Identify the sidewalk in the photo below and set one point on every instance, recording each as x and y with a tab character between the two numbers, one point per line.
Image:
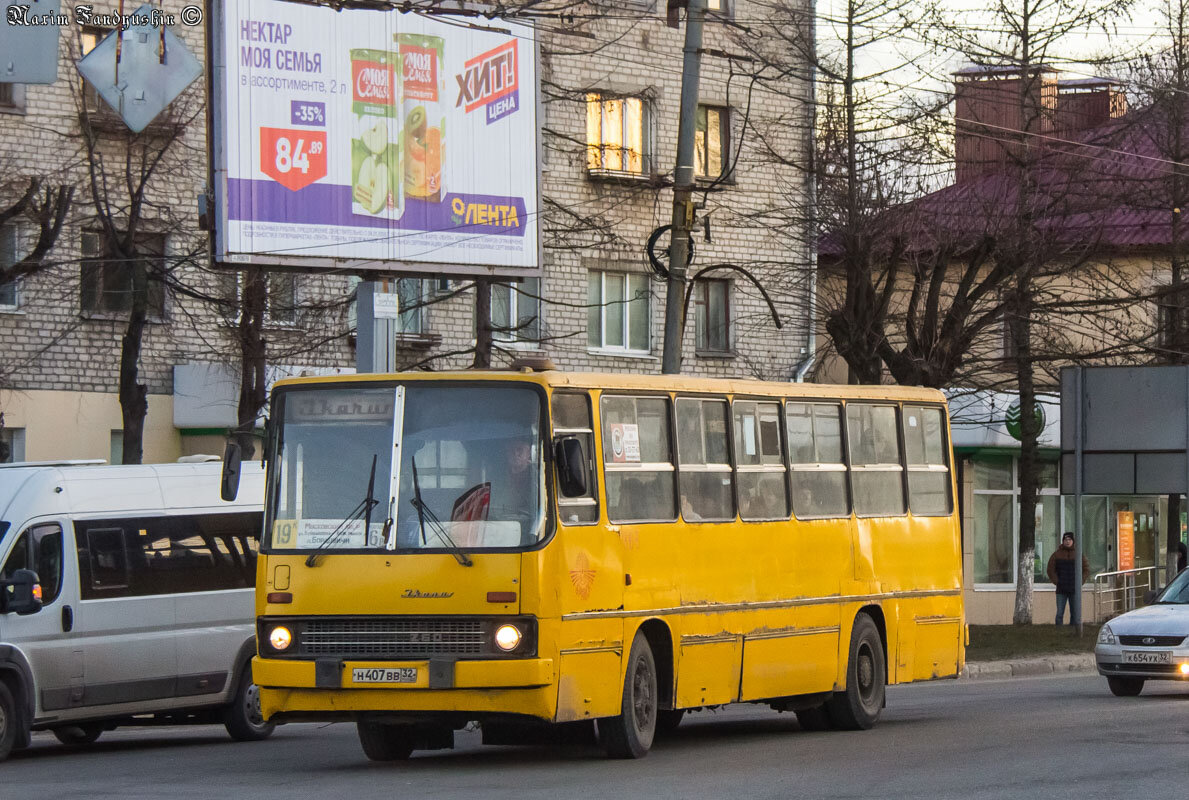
1040	665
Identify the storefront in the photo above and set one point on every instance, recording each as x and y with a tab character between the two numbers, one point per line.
988	473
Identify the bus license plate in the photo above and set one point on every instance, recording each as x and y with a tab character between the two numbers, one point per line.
1138	657
378	675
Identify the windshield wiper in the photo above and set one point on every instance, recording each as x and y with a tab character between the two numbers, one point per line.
364	509
424	513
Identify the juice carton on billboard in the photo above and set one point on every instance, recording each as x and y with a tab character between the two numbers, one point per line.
377	189
423	86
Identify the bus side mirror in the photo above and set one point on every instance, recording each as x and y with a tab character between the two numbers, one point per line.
571	467
21	594
229	483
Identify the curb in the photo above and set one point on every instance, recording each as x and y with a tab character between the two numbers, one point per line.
1025	667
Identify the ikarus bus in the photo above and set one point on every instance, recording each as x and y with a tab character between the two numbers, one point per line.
531	548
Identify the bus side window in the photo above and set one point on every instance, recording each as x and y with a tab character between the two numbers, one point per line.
637	459
814	433
704	458
928	468
875	471
760	461
572	417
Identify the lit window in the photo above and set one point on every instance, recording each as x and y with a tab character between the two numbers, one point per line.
712	318
616	134
617	311
89	38
711	142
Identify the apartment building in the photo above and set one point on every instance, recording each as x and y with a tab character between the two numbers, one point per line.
608	98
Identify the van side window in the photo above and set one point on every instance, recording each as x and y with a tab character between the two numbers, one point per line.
928	469
637	459
875	471
103	560
815	454
39	549
168	555
704	457
571	417
760	461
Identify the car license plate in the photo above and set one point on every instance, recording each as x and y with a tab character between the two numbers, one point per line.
1140	657
384	675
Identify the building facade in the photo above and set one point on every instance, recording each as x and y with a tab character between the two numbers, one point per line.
609	94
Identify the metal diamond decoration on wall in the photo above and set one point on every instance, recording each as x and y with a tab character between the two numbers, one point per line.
152	71
29	40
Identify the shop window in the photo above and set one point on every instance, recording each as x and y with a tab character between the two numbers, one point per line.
814	433
637	458
704	456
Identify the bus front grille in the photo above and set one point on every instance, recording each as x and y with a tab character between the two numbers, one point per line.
392	638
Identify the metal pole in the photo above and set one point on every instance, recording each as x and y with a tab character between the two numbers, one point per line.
374	342
1079	391
683	186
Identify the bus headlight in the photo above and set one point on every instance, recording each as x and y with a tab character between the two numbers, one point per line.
280	638
507	638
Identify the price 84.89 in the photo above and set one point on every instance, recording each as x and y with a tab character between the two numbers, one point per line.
293	158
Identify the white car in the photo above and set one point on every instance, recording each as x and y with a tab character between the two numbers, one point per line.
1150	643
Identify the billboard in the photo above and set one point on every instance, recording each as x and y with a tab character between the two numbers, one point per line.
373	140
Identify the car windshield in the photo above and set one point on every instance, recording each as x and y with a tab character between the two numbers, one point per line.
469	476
1177	590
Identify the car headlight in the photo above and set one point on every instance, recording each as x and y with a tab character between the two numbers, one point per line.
280	638
507	638
1106	635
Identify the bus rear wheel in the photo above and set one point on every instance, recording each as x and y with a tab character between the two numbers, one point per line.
858	706
630	734
385	742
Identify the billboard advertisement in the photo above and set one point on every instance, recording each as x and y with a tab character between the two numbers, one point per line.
373	140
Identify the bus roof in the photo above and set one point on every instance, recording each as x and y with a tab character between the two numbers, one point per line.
616	380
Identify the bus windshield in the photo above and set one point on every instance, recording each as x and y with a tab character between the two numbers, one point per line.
472	456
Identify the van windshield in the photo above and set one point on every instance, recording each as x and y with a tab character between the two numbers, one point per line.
472	454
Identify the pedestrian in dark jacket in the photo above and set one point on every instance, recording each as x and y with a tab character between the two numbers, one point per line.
1063	575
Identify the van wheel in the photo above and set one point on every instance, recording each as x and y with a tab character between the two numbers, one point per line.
243	718
1125	687
79	734
630	734
857	708
382	742
8	721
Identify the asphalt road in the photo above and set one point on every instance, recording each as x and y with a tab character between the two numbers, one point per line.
1050	737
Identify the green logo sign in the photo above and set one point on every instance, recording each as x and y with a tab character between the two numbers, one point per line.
1012	420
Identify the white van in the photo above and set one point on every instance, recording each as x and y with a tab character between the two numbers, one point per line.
146	611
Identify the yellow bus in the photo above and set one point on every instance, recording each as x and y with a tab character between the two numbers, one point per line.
529	547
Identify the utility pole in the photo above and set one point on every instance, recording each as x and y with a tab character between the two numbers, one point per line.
683	188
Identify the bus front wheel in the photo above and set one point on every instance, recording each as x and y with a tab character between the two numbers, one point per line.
385	742
858	706
630	734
